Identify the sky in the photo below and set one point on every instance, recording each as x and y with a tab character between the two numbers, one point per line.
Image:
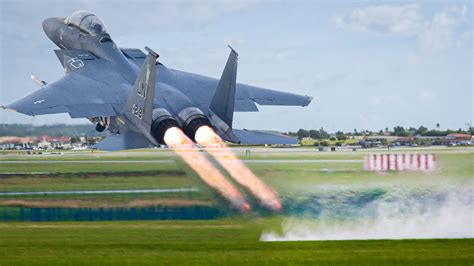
368	64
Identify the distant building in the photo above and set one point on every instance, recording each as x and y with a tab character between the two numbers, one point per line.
404	141
458	137
33	143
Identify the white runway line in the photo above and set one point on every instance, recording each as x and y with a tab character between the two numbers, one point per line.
303	161
89	192
172	161
86	161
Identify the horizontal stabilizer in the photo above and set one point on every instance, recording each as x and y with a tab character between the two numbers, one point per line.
262	138
124	141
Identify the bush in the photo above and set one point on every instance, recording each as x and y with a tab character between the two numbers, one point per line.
325	143
316	143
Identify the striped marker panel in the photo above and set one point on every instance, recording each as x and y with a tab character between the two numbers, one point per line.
399	162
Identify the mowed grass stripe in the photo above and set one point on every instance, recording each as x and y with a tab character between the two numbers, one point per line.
221	242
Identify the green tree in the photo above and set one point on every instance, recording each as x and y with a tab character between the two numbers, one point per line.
421	130
399	131
314	134
75	139
340	135
302	134
323	134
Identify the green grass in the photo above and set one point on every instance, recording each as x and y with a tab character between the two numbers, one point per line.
218	242
45	183
71	167
230	241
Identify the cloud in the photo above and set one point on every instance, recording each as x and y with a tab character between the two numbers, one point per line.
440	32
383	19
433	34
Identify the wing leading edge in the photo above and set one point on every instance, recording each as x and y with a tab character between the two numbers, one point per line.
74	94
272	97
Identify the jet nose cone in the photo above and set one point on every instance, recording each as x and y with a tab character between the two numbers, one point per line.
51	28
49	25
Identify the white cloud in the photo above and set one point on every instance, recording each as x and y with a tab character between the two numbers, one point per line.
433	34
383	19
440	33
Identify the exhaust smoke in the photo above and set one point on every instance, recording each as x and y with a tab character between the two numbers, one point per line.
207	138
394	214
185	148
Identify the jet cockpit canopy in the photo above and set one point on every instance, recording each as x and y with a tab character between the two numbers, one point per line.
86	22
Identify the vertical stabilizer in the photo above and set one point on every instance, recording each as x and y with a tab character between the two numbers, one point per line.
224	98
139	107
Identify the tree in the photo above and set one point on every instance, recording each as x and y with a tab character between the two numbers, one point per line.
75	139
340	135
314	134
437	125
302	134
421	130
400	131
324	134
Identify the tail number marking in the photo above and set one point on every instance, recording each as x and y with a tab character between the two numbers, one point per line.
137	111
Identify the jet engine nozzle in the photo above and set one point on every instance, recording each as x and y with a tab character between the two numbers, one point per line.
161	121
192	118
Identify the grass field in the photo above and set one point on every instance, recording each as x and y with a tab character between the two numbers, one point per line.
217	242
339	189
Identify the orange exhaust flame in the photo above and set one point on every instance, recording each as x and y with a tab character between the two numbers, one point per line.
206	137
185	148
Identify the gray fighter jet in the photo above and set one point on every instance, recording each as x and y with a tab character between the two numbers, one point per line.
137	98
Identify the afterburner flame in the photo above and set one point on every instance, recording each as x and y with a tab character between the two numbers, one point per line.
185	148
207	138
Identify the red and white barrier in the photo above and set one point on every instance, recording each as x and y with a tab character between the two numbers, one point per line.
399	162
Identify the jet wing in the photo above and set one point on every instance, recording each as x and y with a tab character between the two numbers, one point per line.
74	94
271	97
245	95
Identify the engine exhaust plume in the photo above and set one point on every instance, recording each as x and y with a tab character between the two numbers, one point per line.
185	148
215	146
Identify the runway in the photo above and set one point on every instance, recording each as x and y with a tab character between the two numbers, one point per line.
171	161
89	192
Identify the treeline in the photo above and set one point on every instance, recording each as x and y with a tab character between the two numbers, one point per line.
25	130
399	131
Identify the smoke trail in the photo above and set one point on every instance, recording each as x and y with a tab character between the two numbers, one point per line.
177	140
206	137
391	216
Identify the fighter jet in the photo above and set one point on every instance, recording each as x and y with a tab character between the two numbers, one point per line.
136	97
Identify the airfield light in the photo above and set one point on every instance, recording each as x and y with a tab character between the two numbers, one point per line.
215	146
185	148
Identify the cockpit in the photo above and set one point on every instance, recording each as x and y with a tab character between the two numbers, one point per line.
86	22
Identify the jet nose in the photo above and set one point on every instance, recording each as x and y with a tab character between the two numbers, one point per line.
51	27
